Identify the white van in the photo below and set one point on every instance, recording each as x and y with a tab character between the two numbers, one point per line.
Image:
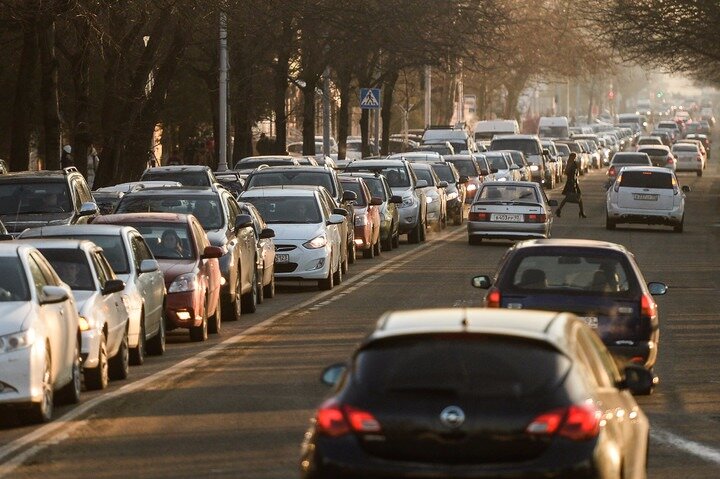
554	127
485	130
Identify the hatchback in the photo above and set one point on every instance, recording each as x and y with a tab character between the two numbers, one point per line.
476	393
646	195
689	157
367	216
660	156
622	160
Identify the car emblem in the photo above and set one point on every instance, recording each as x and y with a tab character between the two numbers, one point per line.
452	416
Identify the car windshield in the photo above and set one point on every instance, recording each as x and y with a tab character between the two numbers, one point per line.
397	176
466	167
646	179
517	159
630	160
185	178
527	146
106	202
167	240
655	151
444	172
72	267
649	141
423	174
287	209
288	177
25	198
508	193
354	186
252	163
601	272
455	367
497	162
13	282
113	248
685	148
563	150
206	209
376	187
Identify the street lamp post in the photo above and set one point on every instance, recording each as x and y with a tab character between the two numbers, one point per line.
223	100
326	111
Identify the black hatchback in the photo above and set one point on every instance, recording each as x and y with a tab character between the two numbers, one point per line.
598	281
479	393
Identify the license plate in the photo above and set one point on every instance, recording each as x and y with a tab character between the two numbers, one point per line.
643	197
506	217
591	321
282	258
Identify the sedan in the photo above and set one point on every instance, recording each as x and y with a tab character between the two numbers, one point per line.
265	251
435	195
469	170
510	210
367	216
39	335
461	393
622	160
455	190
689	157
502	165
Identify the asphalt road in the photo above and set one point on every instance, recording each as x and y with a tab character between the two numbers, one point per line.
238	405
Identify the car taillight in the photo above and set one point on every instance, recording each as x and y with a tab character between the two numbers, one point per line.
648	307
575	422
699	158
492	300
335	420
670	159
533	218
478	216
611	171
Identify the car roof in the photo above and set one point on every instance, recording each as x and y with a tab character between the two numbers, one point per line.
570	243
141	218
290	158
283	190
378	163
519	137
653	147
13	248
61	243
293	168
84	229
176	168
654	169
42	175
175	191
421	165
513	183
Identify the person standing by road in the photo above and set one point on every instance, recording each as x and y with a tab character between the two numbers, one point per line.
572	186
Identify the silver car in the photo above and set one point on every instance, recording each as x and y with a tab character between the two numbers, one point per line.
435	194
502	165
510	210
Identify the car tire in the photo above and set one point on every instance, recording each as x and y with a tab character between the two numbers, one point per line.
269	290
231	307
260	289
338	277
215	321
423	232
609	224
396	241
387	243
40	412
137	354
70	393
378	247
369	253
97	378
351	254
458	220
200	333
327	284
414	236
346	264
119	365
699	173
679	228
474	240
249	299
156	344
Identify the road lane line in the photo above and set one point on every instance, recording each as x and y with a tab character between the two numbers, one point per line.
695	448
192	363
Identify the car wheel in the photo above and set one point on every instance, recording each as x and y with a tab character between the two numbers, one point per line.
200	333
396	241
474	240
327	283
232	306
260	289
249	299
423	232
699	173
609	224
39	412
458	220
137	354
378	247
387	243
338	277
414	236
156	344
215	321
70	393
97	378
120	363
369	253
351	253
269	290
346	264
679	228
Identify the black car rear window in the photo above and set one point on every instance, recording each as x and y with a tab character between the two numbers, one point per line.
646	179
444	173
475	366
655	151
631	160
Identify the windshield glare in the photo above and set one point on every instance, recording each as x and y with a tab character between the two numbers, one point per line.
13	282
34	198
397	176
72	267
287	209
508	193
301	178
466	167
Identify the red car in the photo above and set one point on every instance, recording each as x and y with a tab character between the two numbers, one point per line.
367	216
190	265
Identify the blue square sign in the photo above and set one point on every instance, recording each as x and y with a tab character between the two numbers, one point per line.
370	98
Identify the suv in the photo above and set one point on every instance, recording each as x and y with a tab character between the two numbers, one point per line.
457	137
219	214
404	183
187	175
30	199
530	145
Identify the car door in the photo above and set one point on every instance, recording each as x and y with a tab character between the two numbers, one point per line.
110	308
265	246
246	243
150	284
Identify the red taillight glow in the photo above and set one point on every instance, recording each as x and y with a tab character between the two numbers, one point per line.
361	421
611	171
533	218
575	422
670	159
478	216
648	307
335	420
492	300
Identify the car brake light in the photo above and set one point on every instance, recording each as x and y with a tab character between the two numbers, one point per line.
575	422
361	421
534	218
670	159
611	171
335	420
492	300
648	307
478	216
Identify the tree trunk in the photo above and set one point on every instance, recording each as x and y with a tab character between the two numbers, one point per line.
81	84
242	112
343	116
279	95
20	128
49	94
308	123
387	104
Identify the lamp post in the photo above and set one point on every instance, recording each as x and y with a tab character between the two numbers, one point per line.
223	100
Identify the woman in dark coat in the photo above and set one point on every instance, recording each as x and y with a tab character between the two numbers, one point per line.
572	187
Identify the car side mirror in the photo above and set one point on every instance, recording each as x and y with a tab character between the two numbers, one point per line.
243	221
113	286
148	266
443	184
421	184
493	170
340	211
212	252
657	289
685	188
375	201
88	209
331	375
481	282
349	196
552	203
335	220
464	179
267	233
638	380
546	152
53	294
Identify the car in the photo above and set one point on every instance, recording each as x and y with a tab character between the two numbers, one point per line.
646	195
599	281
563	153
502	166
189	264
367	216
136	185
231	180
666	136
592	143
435	194
531	147
552	159
518	159
40	337
217	211
107	201
102	311
462	393
29	199
660	155
582	157
689	157
455	191
250	163
439	147
265	250
403	183
704	139
389	216
187	175
469	170
458	137
623	159
133	263
306	161
315	176
308	234
510	210
421	155
585	154
649	141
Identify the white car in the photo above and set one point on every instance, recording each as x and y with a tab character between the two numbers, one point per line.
307	231
435	194
502	165
660	155
100	304
647	195
131	260
689	157
39	335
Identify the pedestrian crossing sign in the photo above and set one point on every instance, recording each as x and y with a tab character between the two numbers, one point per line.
370	98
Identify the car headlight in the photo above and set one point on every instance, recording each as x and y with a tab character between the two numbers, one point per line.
317	242
534	167
429	199
452	196
184	283
84	323
408	201
472	187
15	341
502	179
361	220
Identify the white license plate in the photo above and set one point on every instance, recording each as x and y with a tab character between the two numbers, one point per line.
643	197
282	258
591	321
506	217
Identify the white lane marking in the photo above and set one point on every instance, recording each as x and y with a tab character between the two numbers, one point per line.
695	448
193	363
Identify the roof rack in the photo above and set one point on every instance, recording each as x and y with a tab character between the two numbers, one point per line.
70	169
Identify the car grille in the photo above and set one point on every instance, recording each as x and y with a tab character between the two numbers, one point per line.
282	248
285	267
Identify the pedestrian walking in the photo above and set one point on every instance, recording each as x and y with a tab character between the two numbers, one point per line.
572	187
